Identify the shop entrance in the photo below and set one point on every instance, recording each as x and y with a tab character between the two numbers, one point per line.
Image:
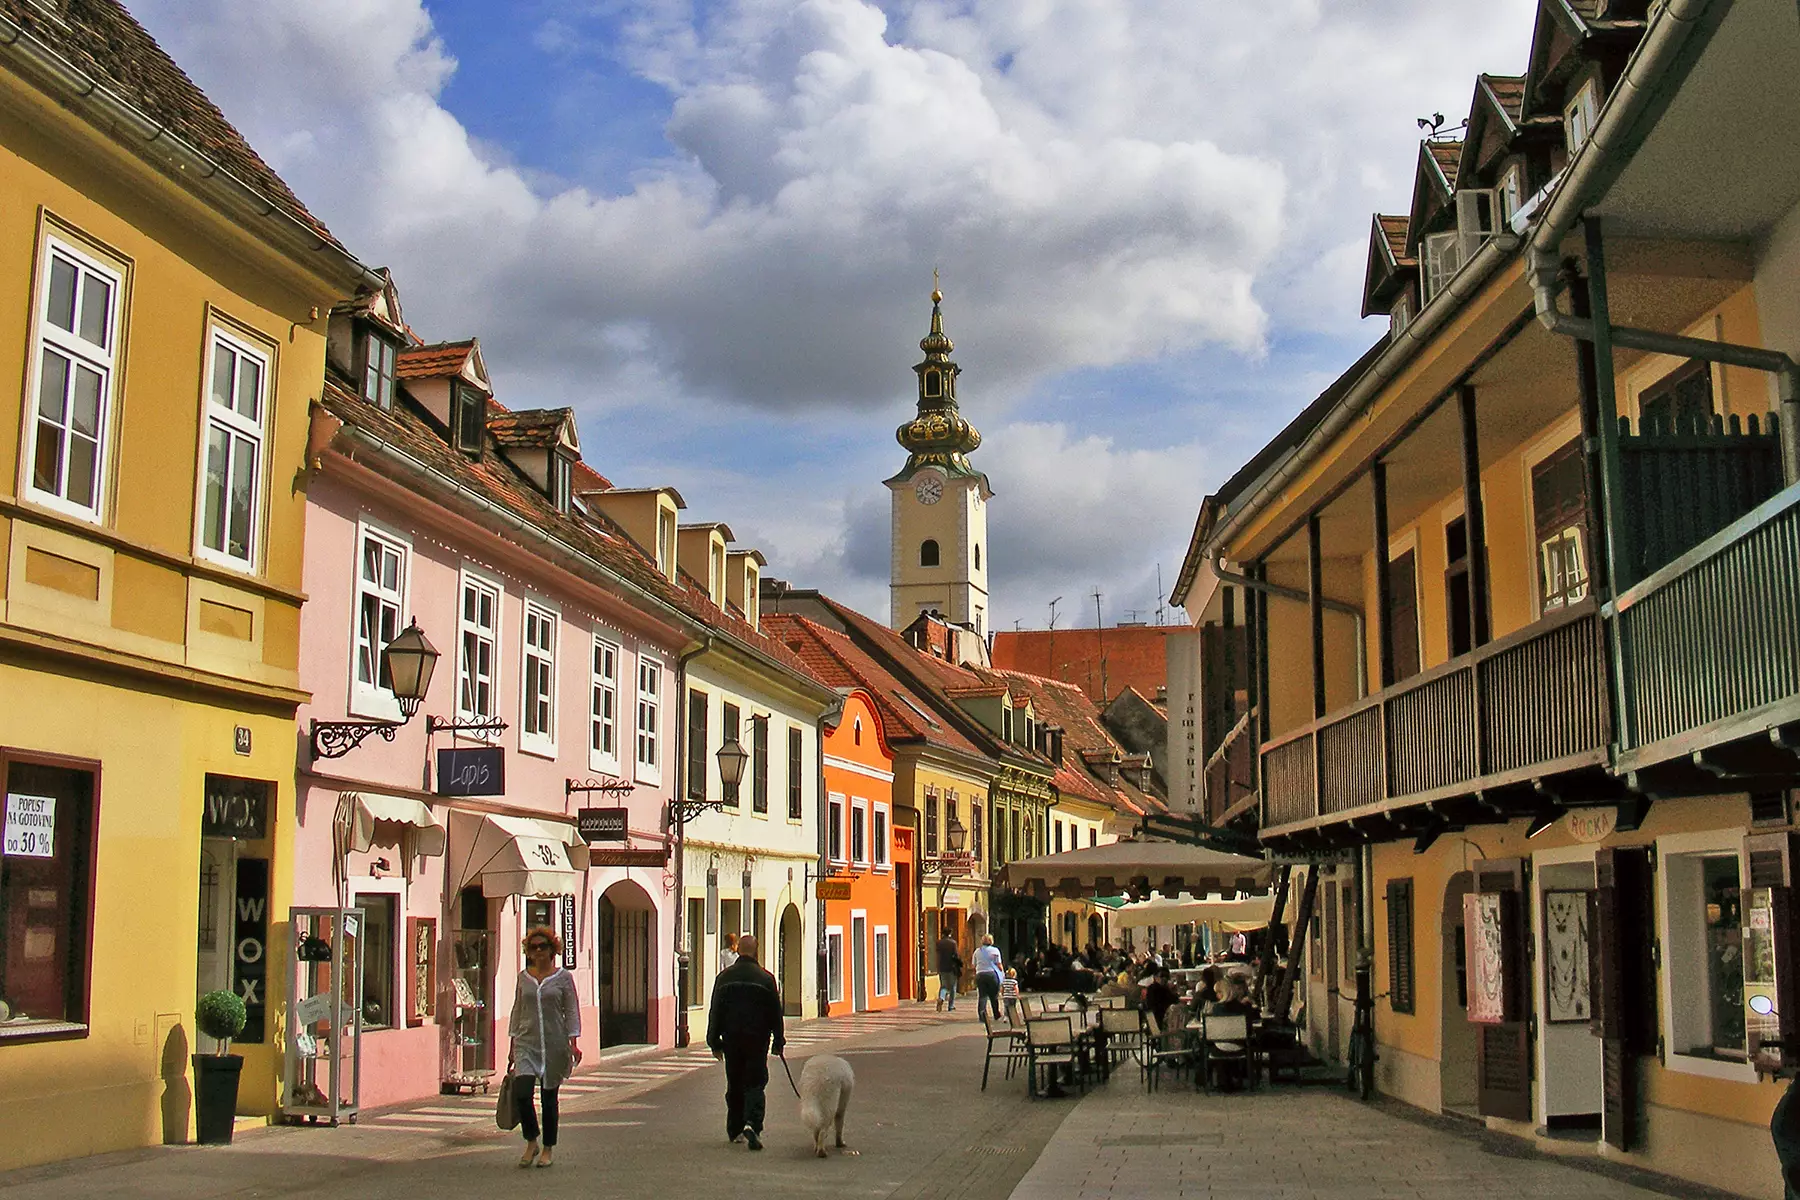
859	964
790	960
1571	1068
625	932
1460	1043
218	881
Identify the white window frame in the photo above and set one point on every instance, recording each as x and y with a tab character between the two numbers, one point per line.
468	581
883	949
603	690
834	964
101	359
647	707
378	351
837	851
1710	843
235	426
1400	316
370	698
1580	116
397	964
859	818
540	742
880	845
1512	192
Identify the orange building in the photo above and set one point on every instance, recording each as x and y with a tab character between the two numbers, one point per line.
871	865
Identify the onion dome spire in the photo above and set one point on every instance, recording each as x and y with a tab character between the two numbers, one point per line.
940	435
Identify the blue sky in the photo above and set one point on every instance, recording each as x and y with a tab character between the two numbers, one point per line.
710	227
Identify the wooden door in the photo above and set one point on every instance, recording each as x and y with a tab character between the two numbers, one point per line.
1623	979
1331	971
1499	1000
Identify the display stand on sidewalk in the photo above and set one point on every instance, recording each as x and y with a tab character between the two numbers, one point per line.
323	1079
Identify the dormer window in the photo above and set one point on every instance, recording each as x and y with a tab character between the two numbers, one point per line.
1512	192
934	385
469	417
561	482
665	542
1580	115
378	370
715	570
1400	316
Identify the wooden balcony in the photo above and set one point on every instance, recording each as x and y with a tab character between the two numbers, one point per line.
1519	712
1709	649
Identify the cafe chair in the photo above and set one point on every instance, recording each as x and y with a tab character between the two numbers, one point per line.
1004	1042
1225	1042
1049	1045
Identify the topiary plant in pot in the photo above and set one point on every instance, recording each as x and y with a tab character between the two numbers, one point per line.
220	1016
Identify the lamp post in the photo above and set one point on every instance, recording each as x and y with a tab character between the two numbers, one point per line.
407	663
731	758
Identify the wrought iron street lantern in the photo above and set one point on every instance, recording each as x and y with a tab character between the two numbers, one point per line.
732	758
407	663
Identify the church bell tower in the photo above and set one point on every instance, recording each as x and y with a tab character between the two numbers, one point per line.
940	552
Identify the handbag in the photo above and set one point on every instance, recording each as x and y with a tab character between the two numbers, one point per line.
506	1106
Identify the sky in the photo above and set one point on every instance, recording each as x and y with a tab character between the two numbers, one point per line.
710	228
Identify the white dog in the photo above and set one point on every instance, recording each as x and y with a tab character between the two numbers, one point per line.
825	1085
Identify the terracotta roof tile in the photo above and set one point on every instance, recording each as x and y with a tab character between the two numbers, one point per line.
1116	658
1086	740
1509	90
1447	154
433	361
533	428
101	38
1394	230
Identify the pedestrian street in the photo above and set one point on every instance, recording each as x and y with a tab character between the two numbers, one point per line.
919	1126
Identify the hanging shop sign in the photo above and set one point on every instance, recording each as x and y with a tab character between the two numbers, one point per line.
250	941
1591	824
603	824
832	889
236	808
628	858
568	933
472	771
30	826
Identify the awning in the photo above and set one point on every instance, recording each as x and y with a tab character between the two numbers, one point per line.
517	856
1252	912
404	818
1168	868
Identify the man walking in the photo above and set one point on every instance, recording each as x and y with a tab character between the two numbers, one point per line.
988	973
744	1021
949	965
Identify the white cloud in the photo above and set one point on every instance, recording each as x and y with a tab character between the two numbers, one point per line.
1103	182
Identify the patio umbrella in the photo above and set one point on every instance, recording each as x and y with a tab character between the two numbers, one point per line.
1171	869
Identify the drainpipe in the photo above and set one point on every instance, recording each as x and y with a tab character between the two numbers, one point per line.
676	797
1337	606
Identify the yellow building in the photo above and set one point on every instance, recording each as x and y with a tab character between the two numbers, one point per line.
167	295
1519	596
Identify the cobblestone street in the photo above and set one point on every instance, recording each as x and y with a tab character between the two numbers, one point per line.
919	1126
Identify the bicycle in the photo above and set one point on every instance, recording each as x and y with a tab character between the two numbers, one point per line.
1361	1056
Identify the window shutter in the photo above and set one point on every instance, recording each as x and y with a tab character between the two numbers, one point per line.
1771	908
1623	981
1497	969
1477	220
1400	945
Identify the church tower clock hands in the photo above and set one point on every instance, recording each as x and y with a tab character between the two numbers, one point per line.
939	500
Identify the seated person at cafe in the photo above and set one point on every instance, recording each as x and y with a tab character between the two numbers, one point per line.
1206	992
1122	986
1233	1073
1161	995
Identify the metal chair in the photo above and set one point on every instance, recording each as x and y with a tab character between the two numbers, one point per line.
1124	1035
1224	1039
1108	1002
1049	1043
1010	1042
1163	1044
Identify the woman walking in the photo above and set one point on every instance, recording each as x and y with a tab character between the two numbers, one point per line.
545	1028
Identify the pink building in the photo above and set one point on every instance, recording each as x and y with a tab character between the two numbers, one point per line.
428	503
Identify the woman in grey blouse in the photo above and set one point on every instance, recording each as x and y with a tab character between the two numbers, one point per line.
545	1030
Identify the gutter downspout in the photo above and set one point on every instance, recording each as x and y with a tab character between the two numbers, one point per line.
1337	606
677	794
821	803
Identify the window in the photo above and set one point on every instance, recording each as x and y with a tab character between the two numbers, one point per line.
478	626
1512	191
380	596
759	765
1440	257
1456	587
649	706
859	832
1018	850
696	745
562	482
1403	613
539	702
882	941
665	541
1093	836
1400	316
934	385
975	828
1059	836
231	489
696	952
77	334
603	739
980	621
1679	403
834	963
978	556
880	838
1400	945
715	573
931	823
834	829
1559	511
1704	956
1579	116
796	780
728	732
379	954
46	877
470	414
1006	721
378	371
928	553
950	817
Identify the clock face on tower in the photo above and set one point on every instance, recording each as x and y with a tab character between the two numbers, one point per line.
929	489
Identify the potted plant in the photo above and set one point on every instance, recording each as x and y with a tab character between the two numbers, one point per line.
220	1016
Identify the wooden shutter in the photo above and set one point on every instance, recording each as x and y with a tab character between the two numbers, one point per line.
1771	908
1403	614
1503	1059
1622	977
1400	944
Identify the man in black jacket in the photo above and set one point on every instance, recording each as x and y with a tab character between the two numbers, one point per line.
745	1019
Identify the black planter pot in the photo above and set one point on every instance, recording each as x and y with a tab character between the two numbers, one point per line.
215	1097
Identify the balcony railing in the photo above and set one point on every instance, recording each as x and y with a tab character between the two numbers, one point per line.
1524	706
1680	486
1710	644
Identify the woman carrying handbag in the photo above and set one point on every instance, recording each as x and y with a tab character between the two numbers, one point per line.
545	1030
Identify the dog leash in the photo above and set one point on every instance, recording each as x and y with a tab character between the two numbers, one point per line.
789	1074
